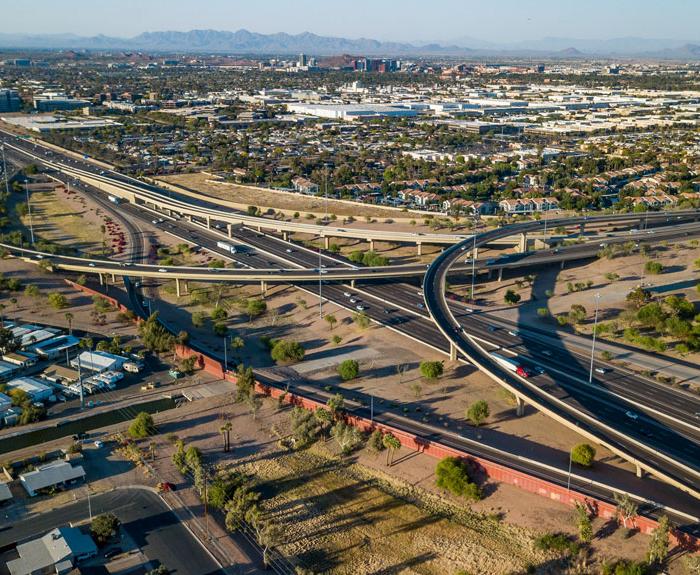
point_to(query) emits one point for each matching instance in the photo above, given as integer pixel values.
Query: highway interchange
(666, 421)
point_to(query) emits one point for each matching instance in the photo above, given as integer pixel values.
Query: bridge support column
(639, 472)
(189, 217)
(229, 229)
(352, 283)
(114, 279)
(523, 243)
(490, 272)
(519, 406)
(285, 236)
(371, 245)
(562, 265)
(326, 242)
(208, 222)
(453, 352)
(419, 247)
(475, 253)
(260, 229)
(500, 275)
(102, 279)
(263, 288)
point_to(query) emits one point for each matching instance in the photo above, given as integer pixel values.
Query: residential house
(304, 186)
(56, 552)
(52, 475)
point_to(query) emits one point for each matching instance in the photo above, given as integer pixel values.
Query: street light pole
(4, 171)
(595, 324)
(29, 211)
(568, 479)
(471, 295)
(225, 356)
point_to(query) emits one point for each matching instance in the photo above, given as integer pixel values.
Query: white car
(163, 270)
(513, 332)
(360, 308)
(632, 415)
(353, 300)
(347, 294)
(98, 443)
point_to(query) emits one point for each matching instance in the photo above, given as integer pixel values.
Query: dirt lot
(356, 515)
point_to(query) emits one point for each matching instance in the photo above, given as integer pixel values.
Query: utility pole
(225, 356)
(568, 480)
(371, 408)
(80, 383)
(206, 505)
(595, 324)
(87, 486)
(471, 295)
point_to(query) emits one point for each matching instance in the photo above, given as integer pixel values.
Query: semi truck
(511, 364)
(227, 247)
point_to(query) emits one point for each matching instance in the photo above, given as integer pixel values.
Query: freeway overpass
(571, 409)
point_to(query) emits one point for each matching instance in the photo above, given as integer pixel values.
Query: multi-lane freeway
(399, 307)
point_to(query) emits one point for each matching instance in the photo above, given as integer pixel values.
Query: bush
(361, 319)
(58, 301)
(583, 454)
(478, 412)
(556, 542)
(432, 369)
(142, 426)
(511, 297)
(349, 369)
(287, 351)
(452, 474)
(653, 268)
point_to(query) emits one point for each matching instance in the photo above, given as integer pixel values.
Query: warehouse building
(98, 361)
(32, 386)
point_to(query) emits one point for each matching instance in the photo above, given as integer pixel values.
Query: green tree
(58, 301)
(478, 412)
(142, 426)
(583, 522)
(511, 297)
(245, 383)
(626, 507)
(392, 444)
(8, 341)
(452, 474)
(432, 369)
(331, 320)
(32, 290)
(104, 527)
(361, 319)
(154, 336)
(349, 369)
(255, 307)
(242, 500)
(653, 267)
(376, 441)
(346, 436)
(583, 454)
(659, 543)
(336, 404)
(287, 351)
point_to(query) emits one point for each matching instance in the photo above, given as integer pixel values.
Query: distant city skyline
(502, 22)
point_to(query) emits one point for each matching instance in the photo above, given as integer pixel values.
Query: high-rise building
(10, 101)
(303, 61)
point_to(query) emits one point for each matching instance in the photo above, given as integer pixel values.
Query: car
(492, 328)
(602, 370)
(490, 262)
(98, 443)
(546, 352)
(353, 300)
(92, 265)
(388, 310)
(632, 415)
(154, 222)
(468, 261)
(162, 270)
(522, 371)
(420, 306)
(419, 293)
(360, 308)
(322, 271)
(160, 220)
(468, 310)
(603, 245)
(347, 294)
(513, 332)
(288, 250)
(540, 370)
(112, 553)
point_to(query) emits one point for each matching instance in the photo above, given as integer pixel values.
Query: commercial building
(46, 123)
(99, 361)
(56, 552)
(351, 112)
(55, 474)
(56, 346)
(32, 386)
(10, 101)
(54, 101)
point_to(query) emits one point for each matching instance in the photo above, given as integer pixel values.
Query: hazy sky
(407, 20)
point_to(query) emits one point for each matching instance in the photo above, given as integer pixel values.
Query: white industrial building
(32, 386)
(352, 111)
(98, 361)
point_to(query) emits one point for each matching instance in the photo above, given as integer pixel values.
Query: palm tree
(69, 319)
(225, 431)
(391, 443)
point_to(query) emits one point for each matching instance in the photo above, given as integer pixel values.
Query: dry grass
(344, 518)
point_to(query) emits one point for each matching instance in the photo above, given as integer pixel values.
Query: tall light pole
(471, 295)
(595, 324)
(225, 355)
(29, 211)
(4, 170)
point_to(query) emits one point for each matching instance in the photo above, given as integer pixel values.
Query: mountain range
(246, 42)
